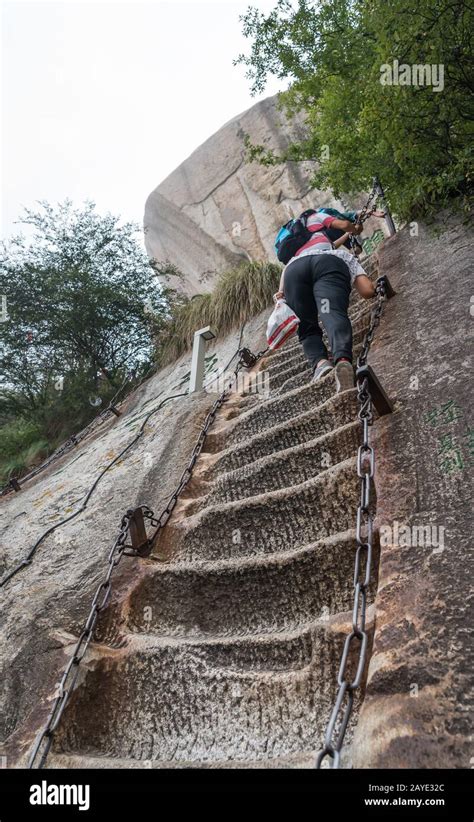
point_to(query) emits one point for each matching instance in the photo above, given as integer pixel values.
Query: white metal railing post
(198, 360)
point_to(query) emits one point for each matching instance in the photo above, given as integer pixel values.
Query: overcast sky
(101, 100)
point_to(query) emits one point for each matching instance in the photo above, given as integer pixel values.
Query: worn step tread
(266, 654)
(283, 407)
(295, 358)
(303, 760)
(282, 468)
(168, 704)
(265, 522)
(238, 563)
(334, 412)
(249, 596)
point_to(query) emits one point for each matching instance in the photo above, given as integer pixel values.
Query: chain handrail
(363, 559)
(44, 739)
(27, 561)
(364, 213)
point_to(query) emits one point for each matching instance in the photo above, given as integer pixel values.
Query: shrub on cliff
(239, 294)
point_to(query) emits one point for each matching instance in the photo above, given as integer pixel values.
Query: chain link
(355, 645)
(45, 738)
(119, 549)
(365, 213)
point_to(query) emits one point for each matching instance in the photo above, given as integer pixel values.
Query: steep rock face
(419, 701)
(223, 647)
(216, 210)
(44, 606)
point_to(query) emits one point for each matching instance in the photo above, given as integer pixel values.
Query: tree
(83, 303)
(332, 52)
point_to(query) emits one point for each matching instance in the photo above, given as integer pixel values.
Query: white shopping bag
(282, 323)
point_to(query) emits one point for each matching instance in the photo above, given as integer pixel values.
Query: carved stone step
(296, 362)
(281, 409)
(302, 378)
(168, 702)
(247, 596)
(287, 467)
(338, 410)
(271, 522)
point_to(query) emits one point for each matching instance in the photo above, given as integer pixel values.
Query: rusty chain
(365, 213)
(341, 713)
(44, 739)
(27, 561)
(159, 522)
(371, 202)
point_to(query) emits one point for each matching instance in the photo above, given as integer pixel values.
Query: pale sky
(102, 100)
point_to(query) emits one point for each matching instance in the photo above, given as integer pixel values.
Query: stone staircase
(232, 638)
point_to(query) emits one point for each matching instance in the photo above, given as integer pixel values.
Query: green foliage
(417, 140)
(239, 294)
(21, 444)
(82, 299)
(83, 305)
(87, 325)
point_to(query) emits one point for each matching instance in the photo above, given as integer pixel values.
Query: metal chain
(45, 738)
(244, 362)
(358, 637)
(365, 213)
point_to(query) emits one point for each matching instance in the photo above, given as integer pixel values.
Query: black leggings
(320, 285)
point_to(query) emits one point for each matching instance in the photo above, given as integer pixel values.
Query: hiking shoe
(344, 373)
(321, 370)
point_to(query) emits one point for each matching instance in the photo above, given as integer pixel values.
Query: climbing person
(316, 283)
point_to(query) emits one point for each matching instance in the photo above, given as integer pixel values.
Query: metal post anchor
(247, 359)
(196, 378)
(380, 399)
(138, 535)
(387, 286)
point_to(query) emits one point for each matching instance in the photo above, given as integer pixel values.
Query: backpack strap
(304, 216)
